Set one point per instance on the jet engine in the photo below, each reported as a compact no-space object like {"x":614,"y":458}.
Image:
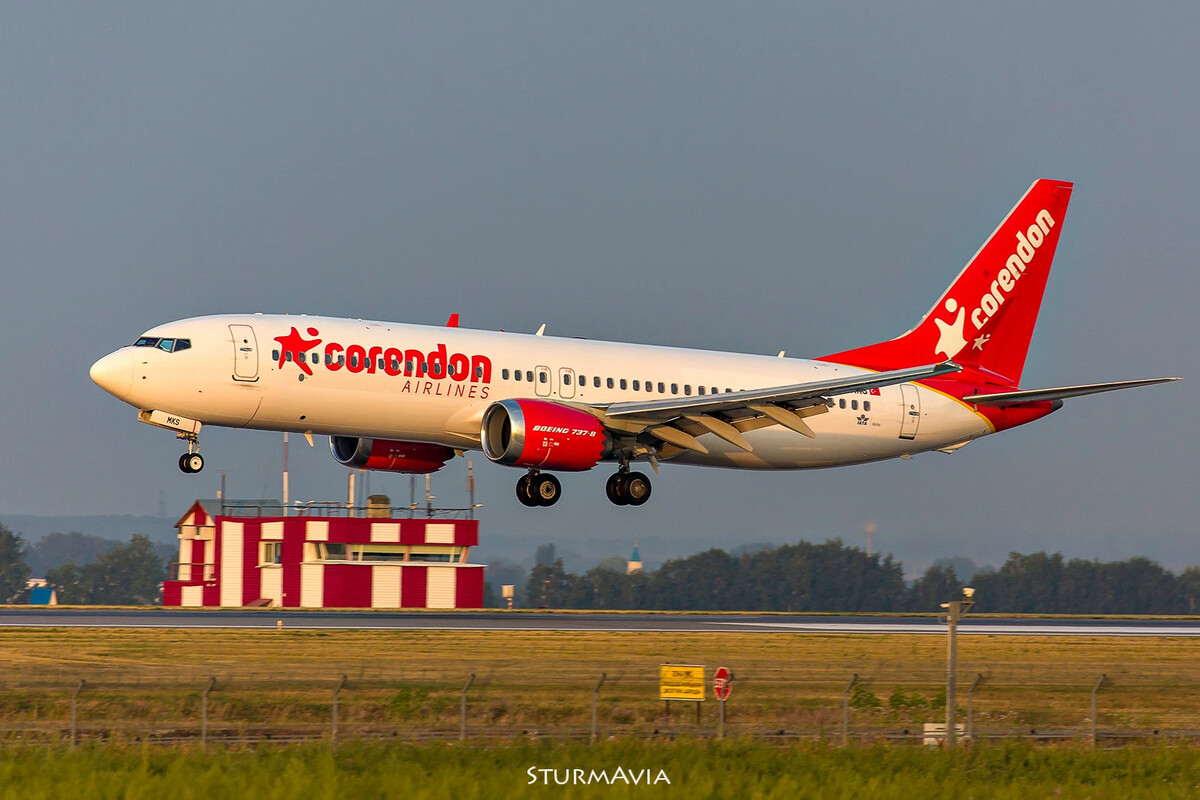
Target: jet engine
{"x":543,"y":435}
{"x":387,"y":455}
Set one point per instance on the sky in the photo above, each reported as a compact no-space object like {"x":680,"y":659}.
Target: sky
{"x":751,"y":177}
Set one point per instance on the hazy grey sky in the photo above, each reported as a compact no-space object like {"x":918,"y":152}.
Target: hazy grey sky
{"x":751,"y":176}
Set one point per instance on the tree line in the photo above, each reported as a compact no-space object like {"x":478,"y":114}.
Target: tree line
{"x":114,"y":573}
{"x":833,"y":577}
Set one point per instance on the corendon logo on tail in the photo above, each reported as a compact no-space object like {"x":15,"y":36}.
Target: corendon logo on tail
{"x":436,"y":366}
{"x":951,"y":339}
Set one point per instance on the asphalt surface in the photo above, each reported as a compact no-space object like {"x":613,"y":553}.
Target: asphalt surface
{"x":600,"y":621}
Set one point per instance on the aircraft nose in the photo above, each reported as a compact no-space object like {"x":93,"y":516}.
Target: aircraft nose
{"x":114,"y":373}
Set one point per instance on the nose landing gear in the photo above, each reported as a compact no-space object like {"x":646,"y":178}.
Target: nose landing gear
{"x":625,"y":488}
{"x":191,"y":461}
{"x":538,"y":489}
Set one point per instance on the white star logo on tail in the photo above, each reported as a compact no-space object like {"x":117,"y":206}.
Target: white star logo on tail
{"x":951,"y":340}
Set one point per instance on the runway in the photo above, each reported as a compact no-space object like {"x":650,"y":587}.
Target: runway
{"x":294,"y":619}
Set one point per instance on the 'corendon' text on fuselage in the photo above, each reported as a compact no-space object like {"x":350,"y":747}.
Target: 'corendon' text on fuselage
{"x":436,"y":366}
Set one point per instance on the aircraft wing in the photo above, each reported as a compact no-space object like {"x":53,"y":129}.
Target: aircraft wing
{"x":679,"y":420}
{"x":1058,"y":393}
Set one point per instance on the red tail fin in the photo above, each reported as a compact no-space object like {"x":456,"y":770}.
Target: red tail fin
{"x":986,"y":318}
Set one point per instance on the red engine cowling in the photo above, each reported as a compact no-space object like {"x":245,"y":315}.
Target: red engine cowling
{"x":537,"y":433}
{"x":386,"y":455}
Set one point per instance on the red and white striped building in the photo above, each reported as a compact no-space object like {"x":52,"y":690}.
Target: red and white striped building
{"x":323,"y":562}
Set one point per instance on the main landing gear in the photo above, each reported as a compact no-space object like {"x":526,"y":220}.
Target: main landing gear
{"x":627,"y":488}
{"x":191,"y":461}
{"x":538,"y":489}
{"x":535,"y":488}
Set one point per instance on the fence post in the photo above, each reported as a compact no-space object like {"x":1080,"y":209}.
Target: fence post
{"x":462,"y":725}
{"x":595,"y":699}
{"x":204,"y":712}
{"x":74,"y":712}
{"x":336,"y":690}
{"x":846,"y":710}
{"x":1103,"y":680}
{"x":971,"y":706}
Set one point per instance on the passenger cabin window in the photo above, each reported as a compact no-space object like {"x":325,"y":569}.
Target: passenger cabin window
{"x":687,"y":388}
{"x":596,"y":382}
{"x":517,"y":375}
{"x":842,"y":403}
{"x":504,"y":374}
{"x":622,"y":383}
{"x":854,"y":405}
{"x":543,"y":377}
{"x":529,"y":375}
{"x":566,"y":379}
{"x":610,"y":383}
{"x":866,"y":405}
{"x":701,"y":389}
{"x":637,"y":385}
{"x":674,"y":388}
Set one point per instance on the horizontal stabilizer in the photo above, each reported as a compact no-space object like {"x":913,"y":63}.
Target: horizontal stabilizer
{"x":1059,"y":393}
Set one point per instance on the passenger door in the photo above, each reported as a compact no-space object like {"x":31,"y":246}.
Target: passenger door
{"x":245,"y":353}
{"x":911,"y":411}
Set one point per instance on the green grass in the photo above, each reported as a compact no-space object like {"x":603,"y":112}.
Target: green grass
{"x":149,"y":682}
{"x":735,"y":769}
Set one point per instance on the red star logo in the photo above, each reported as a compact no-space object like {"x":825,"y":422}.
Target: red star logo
{"x":297,"y":345}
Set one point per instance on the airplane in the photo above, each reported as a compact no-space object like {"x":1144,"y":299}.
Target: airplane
{"x":407,"y":398}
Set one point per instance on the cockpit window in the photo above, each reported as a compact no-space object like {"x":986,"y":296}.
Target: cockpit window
{"x":167,"y":345}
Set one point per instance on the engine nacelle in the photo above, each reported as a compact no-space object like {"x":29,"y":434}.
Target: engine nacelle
{"x":537,"y":433}
{"x":385,"y":455}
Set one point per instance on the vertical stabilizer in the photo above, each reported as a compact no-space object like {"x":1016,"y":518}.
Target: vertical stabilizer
{"x":986,"y":318}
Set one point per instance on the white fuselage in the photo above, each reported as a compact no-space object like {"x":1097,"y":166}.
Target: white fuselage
{"x":231,"y":376}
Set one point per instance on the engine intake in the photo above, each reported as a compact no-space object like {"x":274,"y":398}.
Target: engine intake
{"x":386,"y":455}
{"x":544,"y":435}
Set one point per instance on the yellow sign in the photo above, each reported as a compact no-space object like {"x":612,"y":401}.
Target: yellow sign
{"x":681,"y":682}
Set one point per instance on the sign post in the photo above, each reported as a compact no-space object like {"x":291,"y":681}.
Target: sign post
{"x":722,"y":686}
{"x":681,"y":682}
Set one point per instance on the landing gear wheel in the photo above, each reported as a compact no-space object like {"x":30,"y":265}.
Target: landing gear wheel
{"x":546,"y":490}
{"x":525,"y":491}
{"x":636,"y":488}
{"x":191,"y":462}
{"x":615,"y":489}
